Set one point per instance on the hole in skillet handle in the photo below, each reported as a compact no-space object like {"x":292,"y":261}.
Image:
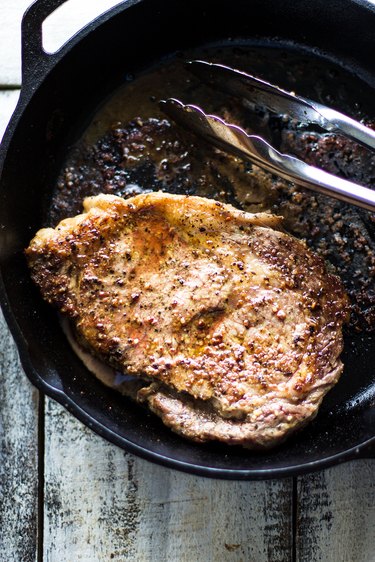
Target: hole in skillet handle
{"x":70,"y":18}
{"x":35,"y":60}
{"x":38,"y":54}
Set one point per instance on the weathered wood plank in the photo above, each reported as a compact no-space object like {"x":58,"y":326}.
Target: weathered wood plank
{"x":102,"y":503}
{"x":336,"y":514}
{"x":8,"y":102}
{"x":18,"y":457}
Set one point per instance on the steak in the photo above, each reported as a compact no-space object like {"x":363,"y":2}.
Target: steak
{"x":233,"y":326}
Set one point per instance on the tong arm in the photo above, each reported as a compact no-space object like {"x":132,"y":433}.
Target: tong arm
{"x":235,"y":140}
{"x":256,"y":91}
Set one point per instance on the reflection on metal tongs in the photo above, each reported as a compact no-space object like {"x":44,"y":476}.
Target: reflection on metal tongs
{"x":235,"y":140}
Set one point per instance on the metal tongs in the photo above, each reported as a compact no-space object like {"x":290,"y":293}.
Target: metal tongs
{"x":235,"y":140}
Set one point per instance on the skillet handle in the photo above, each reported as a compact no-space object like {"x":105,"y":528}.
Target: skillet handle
{"x":35,"y":60}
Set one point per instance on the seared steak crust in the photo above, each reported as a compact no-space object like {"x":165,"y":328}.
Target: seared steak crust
{"x":235,"y":327}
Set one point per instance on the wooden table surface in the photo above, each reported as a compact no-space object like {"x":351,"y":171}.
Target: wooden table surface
{"x":68,"y":495}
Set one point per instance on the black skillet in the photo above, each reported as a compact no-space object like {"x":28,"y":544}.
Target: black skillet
{"x":59,"y":94}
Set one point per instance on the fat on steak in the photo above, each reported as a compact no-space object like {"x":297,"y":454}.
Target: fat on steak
{"x":233,"y":326}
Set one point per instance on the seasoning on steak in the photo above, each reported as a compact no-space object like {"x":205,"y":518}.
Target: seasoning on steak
{"x":234,"y":327}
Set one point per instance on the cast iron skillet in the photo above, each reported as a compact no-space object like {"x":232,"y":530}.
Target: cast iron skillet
{"x":59,"y":94}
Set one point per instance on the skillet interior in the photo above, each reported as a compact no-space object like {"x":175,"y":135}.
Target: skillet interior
{"x":55,"y":117}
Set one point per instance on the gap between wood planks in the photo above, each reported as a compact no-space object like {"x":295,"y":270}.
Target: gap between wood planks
{"x":41,"y":472}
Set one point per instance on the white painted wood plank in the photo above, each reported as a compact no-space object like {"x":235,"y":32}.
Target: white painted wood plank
{"x":65,"y":22}
{"x":336,"y":514}
{"x":8,"y":102}
{"x":18,"y":457}
{"x":102,"y":503}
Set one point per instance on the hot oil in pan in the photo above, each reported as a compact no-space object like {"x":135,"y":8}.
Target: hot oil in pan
{"x":130,"y":148}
